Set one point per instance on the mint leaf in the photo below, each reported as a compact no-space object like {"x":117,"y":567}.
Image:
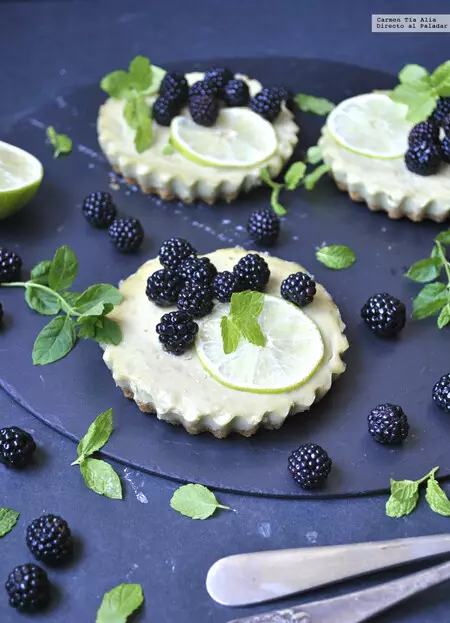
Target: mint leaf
{"x":42,"y":301}
{"x":440,"y":79}
{"x":436,"y":498}
{"x":430,"y":300}
{"x":130,"y":112}
{"x":100,"y":293}
{"x":414,"y":74}
{"x":101,"y":478}
{"x":444,"y":317}
{"x":70,"y":297}
{"x":444,"y":237}
{"x":247,"y":304}
{"x":195,"y":502}
{"x":403,"y":499}
{"x":101,"y":329}
{"x":144,"y":133}
{"x":312,"y":178}
{"x":8,"y":519}
{"x":421,"y":101}
{"x":336,"y":256}
{"x":251,"y":331}
{"x":316,"y":105}
{"x":54,"y":342}
{"x":140,"y":73}
{"x":294,"y":175}
{"x":116,"y":84}
{"x":425,"y":270}
{"x":98,"y":434}
{"x":63,"y":269}
{"x":230,"y":335}
{"x":314,"y":154}
{"x":61,"y":142}
{"x":39,"y":273}
{"x":120,"y":603}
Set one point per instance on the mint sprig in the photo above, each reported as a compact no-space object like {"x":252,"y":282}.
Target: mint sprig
{"x":62,"y":144}
{"x":434,"y":297}
{"x":98,"y":475}
{"x":405,"y":495}
{"x":242,"y":321}
{"x":120,"y":603}
{"x":317,"y":105}
{"x":420,"y":91}
{"x":195,"y":502}
{"x":336,"y":256}
{"x":8,"y":519}
{"x":83,"y":315}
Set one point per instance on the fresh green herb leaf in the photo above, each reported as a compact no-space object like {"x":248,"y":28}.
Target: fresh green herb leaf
{"x":61,"y":142}
{"x":101,"y":478}
{"x":294,"y":175}
{"x":443,"y":237}
{"x":414,"y":74}
{"x":312,"y":178}
{"x":195,"y":501}
{"x":99,"y":293}
{"x":444,"y":317}
{"x":316,"y":105}
{"x":55,"y":341}
{"x":421,"y":102}
{"x":40,"y":272}
{"x":8,"y":519}
{"x":102,"y":329}
{"x":230,"y":335}
{"x":168,"y":149}
{"x":247,"y":304}
{"x":405,"y":495}
{"x":440,"y":79}
{"x":314,"y":154}
{"x":436,"y":498}
{"x":42,"y":301}
{"x":251,"y":331}
{"x":120,"y":603}
{"x":425,"y":270}
{"x":116,"y":84}
{"x":245,"y":307}
{"x":63,"y":269}
{"x":138,"y":116}
{"x":430,"y":300}
{"x":140,"y":73}
{"x":98,"y":434}
{"x":336,"y":256}
{"x":70,"y":297}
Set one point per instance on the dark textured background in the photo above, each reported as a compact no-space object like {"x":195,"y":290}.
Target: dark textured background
{"x":47,"y":48}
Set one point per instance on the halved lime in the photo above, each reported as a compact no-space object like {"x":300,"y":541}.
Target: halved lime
{"x":371,"y":125}
{"x":239,"y":138}
{"x":20,"y":177}
{"x":293,"y":350}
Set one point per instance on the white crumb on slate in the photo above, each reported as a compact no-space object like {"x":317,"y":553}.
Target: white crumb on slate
{"x":312,"y":537}
{"x":140,"y":496}
{"x":265,"y":529}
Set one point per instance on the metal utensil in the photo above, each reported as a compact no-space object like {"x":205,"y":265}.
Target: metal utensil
{"x":247,"y":579}
{"x":359,"y":606}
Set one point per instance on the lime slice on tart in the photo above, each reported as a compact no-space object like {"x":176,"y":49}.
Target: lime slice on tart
{"x":371,"y":125}
{"x":240,"y":138}
{"x":293,"y":351}
{"x":20,"y":177}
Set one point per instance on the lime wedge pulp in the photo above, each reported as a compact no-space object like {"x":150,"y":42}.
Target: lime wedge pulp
{"x":371,"y":125}
{"x":293,"y":350}
{"x":240,"y":138}
{"x":20,"y":177}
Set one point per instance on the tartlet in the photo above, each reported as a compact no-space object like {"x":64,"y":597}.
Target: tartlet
{"x":174,"y":176}
{"x":180,"y":391}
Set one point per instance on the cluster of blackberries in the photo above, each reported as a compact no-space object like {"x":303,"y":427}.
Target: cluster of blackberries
{"x":10,"y":266}
{"x":99,"y":210}
{"x":192,"y":283}
{"x":426,"y":150}
{"x":49,"y":539}
{"x":205,"y":97}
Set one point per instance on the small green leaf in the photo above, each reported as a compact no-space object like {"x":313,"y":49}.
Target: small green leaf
{"x":54,"y":342}
{"x":130,"y":112}
{"x":436,"y":498}
{"x":63,"y":270}
{"x":70,"y":297}
{"x":101,"y":478}
{"x":116,"y":84}
{"x":39,"y":273}
{"x":403,"y":499}
{"x":144,"y":134}
{"x":314,"y":154}
{"x":61,"y":142}
{"x":168,"y":149}
{"x":8,"y":519}
{"x":430,"y":300}
{"x":100,"y":293}
{"x":120,"y":603}
{"x":42,"y":301}
{"x":101,"y":329}
{"x":444,"y":237}
{"x":140,"y":73}
{"x":294,"y":175}
{"x":425,"y":270}
{"x":336,"y":256}
{"x":440,"y":79}
{"x":251,"y":331}
{"x":230,"y":335}
{"x":444,"y":317}
{"x":195,"y":501}
{"x":97,"y":435}
{"x":310,"y":180}
{"x":421,"y":103}
{"x":247,"y":304}
{"x":414,"y":74}
{"x":316,"y":105}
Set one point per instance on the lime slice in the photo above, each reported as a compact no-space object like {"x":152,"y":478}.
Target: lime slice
{"x":372,"y":125}
{"x":293,"y":350}
{"x":20,"y":177}
{"x":240,"y":138}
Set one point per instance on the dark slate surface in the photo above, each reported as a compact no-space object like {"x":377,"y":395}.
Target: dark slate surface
{"x":48,"y":47}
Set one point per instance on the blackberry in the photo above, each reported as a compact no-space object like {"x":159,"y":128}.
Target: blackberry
{"x":177,"y":332}
{"x":445,"y":149}
{"x":225,"y":284}
{"x":201,"y":88}
{"x":424,"y":159}
{"x":286,"y":96}
{"x":49,"y":539}
{"x":163,"y":287}
{"x":16,"y":447}
{"x":441,"y":393}
{"x":126,"y":234}
{"x":441,"y":111}
{"x":10,"y":265}
{"x":253,"y":272}
{"x":217,"y":79}
{"x":388,"y":424}
{"x":423,"y":133}
{"x":204,"y":109}
{"x":384,"y":314}
{"x":446,"y":126}
{"x":263,"y":226}
{"x":309,"y":465}
{"x":198,"y":270}
{"x":266,"y":103}
{"x":164,"y":110}
{"x":299,"y":289}
{"x":196,"y":299}
{"x":236,"y":93}
{"x":174,"y":252}
{"x":174,"y":86}
{"x":28,"y":588}
{"x":99,"y":210}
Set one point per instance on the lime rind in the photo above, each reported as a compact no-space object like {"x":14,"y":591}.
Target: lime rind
{"x":20,"y":177}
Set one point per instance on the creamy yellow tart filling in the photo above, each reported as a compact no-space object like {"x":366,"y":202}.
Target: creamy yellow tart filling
{"x":180,"y":390}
